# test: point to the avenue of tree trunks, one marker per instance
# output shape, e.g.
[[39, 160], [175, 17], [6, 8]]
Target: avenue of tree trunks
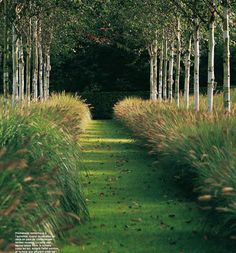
[[171, 31]]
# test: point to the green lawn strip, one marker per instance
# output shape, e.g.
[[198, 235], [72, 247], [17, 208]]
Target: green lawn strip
[[134, 205]]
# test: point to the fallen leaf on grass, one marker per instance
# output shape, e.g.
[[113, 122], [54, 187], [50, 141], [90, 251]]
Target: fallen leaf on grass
[[78, 240], [136, 219]]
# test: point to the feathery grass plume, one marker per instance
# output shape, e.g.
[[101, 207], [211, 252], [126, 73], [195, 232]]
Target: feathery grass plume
[[198, 146], [39, 164]]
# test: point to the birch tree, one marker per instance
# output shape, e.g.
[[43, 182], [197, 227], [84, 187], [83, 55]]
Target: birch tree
[[165, 68], [153, 70], [226, 57], [196, 64], [6, 51], [171, 69], [211, 57], [161, 69], [178, 62], [35, 59], [187, 72]]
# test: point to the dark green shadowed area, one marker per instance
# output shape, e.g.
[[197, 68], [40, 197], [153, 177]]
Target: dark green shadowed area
[[133, 205]]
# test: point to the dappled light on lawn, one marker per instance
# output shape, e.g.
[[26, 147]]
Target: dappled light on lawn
[[135, 207]]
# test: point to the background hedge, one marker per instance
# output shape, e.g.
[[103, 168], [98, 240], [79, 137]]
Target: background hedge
[[102, 102]]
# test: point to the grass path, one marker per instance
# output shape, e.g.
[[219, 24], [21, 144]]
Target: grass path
[[133, 205]]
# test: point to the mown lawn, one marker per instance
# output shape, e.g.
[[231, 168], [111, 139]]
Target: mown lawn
[[134, 206]]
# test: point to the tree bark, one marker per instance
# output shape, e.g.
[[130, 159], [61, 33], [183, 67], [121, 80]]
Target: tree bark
[[165, 70], [17, 68], [47, 68], [170, 78], [154, 92], [6, 53], [40, 51], [35, 60], [178, 60], [226, 37], [187, 74], [196, 65], [151, 73], [28, 63], [211, 57], [21, 70], [153, 70], [160, 73], [14, 72]]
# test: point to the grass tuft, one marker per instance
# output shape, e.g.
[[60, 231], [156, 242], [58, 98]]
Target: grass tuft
[[198, 148], [39, 166]]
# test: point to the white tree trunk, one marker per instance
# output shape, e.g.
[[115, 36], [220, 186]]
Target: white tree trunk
[[151, 75], [178, 60], [226, 36], [165, 70], [6, 53], [47, 73], [196, 65], [35, 60], [17, 68], [153, 70], [211, 58], [28, 64], [154, 92], [187, 74], [14, 72], [21, 70], [45, 76], [40, 51], [170, 77], [160, 72]]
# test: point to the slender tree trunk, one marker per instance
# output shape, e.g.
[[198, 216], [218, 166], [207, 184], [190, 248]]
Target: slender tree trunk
[[17, 68], [196, 65], [226, 36], [45, 76], [155, 71], [47, 72], [177, 79], [6, 53], [151, 73], [14, 72], [40, 51], [35, 60], [211, 58], [165, 70], [187, 74], [21, 70], [28, 64], [171, 68], [160, 73]]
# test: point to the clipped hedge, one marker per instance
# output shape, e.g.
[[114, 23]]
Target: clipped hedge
[[198, 149], [39, 164], [102, 102]]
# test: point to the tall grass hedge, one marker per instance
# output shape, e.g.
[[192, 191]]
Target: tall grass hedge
[[40, 187], [198, 148]]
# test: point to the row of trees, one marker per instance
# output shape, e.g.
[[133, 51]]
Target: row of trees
[[172, 31], [29, 28]]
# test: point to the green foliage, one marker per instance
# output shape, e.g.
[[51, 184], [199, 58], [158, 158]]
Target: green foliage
[[102, 102], [40, 180], [198, 149], [136, 207]]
